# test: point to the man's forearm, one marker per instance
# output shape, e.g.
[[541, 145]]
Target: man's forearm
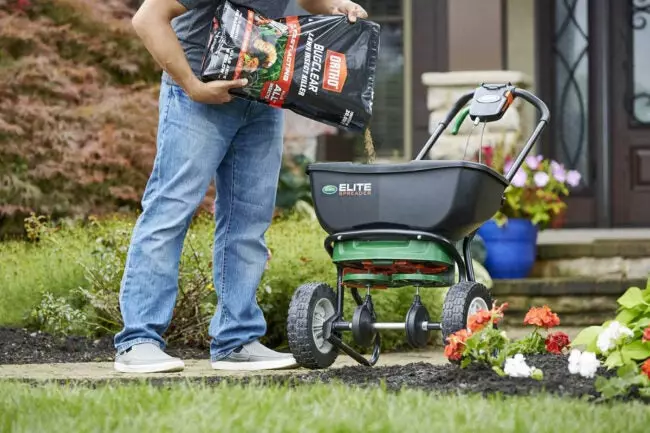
[[152, 23], [320, 7]]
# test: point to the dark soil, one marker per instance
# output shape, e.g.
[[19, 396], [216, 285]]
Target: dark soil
[[473, 379], [21, 346], [446, 378]]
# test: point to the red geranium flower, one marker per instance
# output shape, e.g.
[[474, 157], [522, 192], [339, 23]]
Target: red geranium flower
[[646, 335], [481, 318], [478, 320], [456, 344], [556, 342], [542, 317], [645, 367]]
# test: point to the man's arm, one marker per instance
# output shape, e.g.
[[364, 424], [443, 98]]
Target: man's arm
[[152, 23], [334, 7]]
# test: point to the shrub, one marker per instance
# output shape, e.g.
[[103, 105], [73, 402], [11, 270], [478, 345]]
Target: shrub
[[78, 114], [57, 316], [298, 258]]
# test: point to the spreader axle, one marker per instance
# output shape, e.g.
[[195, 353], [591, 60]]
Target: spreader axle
[[426, 326]]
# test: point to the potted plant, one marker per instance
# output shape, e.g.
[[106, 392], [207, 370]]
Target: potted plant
[[533, 202]]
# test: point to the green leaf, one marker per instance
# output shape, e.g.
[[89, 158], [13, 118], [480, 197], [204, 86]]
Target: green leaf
[[627, 315], [472, 342], [628, 370], [609, 387], [633, 297], [644, 392], [642, 323], [587, 337], [614, 360], [498, 371], [636, 350], [465, 362]]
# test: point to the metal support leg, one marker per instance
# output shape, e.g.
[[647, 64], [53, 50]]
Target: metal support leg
[[336, 341], [467, 255]]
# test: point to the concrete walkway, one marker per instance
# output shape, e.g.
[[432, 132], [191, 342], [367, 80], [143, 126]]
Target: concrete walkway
[[193, 368]]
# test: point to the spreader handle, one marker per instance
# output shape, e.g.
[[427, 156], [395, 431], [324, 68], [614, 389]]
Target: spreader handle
[[545, 115], [443, 124]]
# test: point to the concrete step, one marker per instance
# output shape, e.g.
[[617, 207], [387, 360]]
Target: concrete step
[[578, 301], [617, 253]]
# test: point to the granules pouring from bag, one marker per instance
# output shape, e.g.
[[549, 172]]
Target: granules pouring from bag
[[319, 66], [369, 146]]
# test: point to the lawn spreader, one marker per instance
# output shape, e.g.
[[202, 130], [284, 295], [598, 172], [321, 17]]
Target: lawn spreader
[[395, 225]]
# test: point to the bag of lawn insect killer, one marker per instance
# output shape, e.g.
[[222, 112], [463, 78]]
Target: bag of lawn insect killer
[[321, 67]]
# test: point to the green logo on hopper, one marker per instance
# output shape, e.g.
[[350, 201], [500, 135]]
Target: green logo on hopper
[[329, 189]]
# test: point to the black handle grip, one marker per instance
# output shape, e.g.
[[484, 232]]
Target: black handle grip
[[544, 112]]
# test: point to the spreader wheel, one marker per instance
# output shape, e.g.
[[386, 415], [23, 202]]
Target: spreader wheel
[[311, 306], [463, 300]]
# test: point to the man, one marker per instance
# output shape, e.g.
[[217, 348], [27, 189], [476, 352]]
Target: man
[[204, 133]]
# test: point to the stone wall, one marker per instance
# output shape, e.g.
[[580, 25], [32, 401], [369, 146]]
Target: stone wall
[[444, 88]]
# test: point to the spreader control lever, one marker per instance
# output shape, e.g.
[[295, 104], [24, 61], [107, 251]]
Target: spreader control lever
[[490, 102]]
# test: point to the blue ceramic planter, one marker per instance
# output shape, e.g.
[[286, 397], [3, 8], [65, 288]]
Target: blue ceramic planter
[[511, 249]]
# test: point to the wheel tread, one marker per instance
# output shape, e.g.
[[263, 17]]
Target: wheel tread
[[456, 305], [299, 332]]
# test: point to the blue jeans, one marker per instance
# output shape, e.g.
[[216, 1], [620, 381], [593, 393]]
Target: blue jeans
[[239, 144]]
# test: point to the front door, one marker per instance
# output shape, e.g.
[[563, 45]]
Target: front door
[[630, 113], [594, 72]]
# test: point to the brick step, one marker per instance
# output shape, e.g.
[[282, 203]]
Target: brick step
[[578, 301]]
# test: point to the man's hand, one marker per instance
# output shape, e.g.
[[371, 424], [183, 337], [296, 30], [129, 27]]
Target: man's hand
[[152, 23], [334, 7], [214, 92], [351, 9]]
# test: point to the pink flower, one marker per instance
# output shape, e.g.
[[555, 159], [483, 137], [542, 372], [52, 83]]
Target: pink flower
[[519, 179], [558, 171], [556, 166], [573, 178], [507, 166], [541, 179], [532, 161]]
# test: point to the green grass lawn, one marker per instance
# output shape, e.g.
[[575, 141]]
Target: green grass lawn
[[319, 408]]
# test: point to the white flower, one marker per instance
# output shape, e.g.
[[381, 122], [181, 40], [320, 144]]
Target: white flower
[[586, 364], [517, 367], [574, 361], [608, 338]]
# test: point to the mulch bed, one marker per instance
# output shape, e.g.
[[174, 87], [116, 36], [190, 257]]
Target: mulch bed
[[20, 346], [445, 378]]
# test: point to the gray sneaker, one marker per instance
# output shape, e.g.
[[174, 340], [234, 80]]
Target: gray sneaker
[[146, 358], [255, 356]]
